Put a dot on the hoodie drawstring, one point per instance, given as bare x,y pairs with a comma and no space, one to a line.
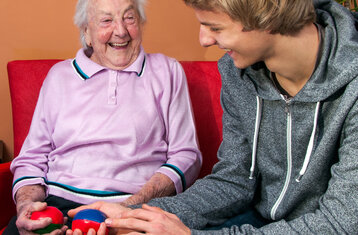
310,145
256,135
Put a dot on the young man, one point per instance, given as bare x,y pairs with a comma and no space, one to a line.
289,156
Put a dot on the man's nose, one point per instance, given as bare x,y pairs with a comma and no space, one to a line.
205,37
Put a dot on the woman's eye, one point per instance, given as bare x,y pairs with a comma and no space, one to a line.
129,20
106,20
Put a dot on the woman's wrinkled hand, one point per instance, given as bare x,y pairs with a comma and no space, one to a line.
26,225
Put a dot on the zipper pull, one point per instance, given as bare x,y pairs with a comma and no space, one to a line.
288,103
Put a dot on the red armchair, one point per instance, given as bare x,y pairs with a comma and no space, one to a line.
25,80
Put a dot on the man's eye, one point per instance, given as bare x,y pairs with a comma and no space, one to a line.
214,29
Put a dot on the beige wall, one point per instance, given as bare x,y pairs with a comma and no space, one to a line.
38,29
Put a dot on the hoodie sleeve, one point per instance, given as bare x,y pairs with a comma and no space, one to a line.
228,190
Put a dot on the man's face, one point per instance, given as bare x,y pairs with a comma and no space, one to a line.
244,47
115,32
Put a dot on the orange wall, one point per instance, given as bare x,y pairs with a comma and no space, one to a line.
38,29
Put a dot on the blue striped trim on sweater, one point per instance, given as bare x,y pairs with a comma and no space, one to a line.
78,191
179,172
79,70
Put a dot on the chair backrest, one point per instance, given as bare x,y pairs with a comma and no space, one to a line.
25,80
204,83
26,77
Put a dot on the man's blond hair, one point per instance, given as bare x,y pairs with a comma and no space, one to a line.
285,17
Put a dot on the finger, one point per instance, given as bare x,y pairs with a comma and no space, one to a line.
148,214
77,232
57,232
128,224
159,210
152,208
29,224
141,214
26,222
69,232
41,223
37,206
73,212
117,231
91,231
102,229
65,219
64,229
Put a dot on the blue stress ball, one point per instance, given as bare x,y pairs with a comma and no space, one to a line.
52,212
88,218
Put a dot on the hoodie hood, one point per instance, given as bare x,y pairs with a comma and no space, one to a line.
338,63
340,48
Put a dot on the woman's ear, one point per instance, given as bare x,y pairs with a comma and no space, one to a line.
87,37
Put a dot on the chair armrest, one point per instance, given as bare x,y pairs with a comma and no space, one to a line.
6,203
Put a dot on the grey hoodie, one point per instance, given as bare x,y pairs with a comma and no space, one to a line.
295,160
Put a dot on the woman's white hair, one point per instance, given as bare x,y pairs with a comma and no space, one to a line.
81,16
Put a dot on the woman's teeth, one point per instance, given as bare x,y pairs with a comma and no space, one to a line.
119,44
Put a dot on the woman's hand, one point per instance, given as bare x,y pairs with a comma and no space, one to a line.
26,225
28,200
159,185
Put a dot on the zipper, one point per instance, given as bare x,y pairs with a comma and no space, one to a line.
289,158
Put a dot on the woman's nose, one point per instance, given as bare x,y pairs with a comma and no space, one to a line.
120,29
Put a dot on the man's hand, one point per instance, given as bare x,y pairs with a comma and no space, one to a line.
112,210
150,220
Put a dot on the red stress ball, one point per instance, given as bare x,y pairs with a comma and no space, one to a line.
51,212
88,218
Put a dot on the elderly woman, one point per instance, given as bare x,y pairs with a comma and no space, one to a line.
114,124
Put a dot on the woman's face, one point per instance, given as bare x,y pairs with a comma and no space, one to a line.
114,32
